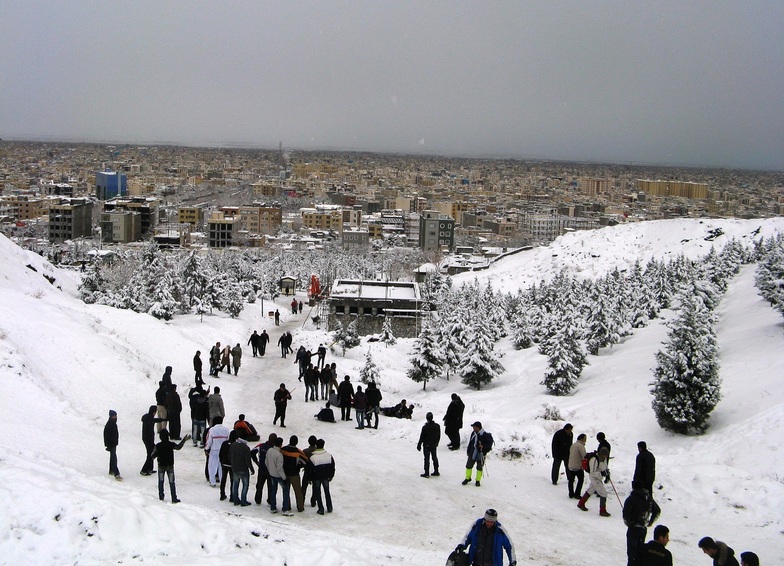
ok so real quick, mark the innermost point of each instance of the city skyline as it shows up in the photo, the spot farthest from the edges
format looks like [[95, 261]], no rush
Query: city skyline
[[668, 83]]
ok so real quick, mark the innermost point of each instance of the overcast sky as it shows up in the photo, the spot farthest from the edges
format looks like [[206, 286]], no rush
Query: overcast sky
[[661, 82]]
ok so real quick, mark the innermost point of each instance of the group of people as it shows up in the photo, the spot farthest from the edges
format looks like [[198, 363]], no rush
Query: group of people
[[640, 510], [221, 359]]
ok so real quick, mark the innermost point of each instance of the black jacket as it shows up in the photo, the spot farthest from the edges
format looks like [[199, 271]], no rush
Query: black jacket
[[645, 468], [430, 435], [562, 442], [111, 436]]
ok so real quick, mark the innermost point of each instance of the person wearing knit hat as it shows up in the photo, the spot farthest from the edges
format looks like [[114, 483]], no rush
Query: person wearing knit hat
[[486, 541], [479, 444], [111, 438]]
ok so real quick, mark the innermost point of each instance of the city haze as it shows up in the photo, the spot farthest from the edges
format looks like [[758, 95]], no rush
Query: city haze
[[665, 83]]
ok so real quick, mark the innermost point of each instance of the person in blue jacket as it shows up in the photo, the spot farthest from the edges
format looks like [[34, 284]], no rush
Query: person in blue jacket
[[488, 540]]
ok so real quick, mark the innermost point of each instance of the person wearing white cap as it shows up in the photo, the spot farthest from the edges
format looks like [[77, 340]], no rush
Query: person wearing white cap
[[488, 540]]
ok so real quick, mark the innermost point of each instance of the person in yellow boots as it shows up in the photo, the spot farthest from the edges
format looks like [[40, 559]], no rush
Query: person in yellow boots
[[479, 444]]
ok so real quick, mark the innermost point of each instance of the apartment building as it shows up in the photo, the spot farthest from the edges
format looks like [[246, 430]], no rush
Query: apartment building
[[222, 231], [192, 215], [436, 231], [147, 207], [121, 226], [323, 217], [356, 240], [673, 188], [70, 219]]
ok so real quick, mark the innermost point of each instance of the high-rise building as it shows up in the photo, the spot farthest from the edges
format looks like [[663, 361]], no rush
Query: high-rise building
[[436, 231], [110, 184], [72, 218]]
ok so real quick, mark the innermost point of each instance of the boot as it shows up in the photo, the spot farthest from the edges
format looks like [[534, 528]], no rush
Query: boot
[[603, 512], [583, 499]]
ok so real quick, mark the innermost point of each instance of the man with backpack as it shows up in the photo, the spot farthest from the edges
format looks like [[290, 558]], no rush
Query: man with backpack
[[487, 540], [639, 513], [596, 464], [479, 444]]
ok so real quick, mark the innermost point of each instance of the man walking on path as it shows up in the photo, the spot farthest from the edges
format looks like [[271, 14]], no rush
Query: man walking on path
[[263, 339], [596, 465], [562, 442], [253, 342], [111, 439], [281, 398], [429, 439]]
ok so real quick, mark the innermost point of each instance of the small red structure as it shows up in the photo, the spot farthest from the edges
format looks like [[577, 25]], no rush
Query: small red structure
[[315, 287]]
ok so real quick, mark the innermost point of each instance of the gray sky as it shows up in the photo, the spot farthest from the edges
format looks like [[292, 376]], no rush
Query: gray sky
[[661, 82]]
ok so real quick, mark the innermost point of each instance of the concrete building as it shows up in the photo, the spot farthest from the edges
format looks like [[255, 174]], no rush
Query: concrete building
[[222, 231], [356, 240], [121, 226], [147, 207], [673, 188], [192, 215], [323, 217], [436, 231], [370, 302], [70, 219]]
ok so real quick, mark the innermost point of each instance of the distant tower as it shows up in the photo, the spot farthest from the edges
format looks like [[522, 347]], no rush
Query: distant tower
[[280, 153]]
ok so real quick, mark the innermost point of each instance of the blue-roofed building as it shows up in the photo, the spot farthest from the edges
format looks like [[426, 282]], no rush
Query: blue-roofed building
[[110, 184]]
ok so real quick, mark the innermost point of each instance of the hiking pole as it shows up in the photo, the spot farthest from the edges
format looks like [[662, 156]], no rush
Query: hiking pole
[[616, 493]]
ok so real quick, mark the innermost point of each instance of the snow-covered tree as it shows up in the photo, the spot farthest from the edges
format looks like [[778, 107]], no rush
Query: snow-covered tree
[[92, 284], [769, 277], [686, 387], [369, 371], [480, 363], [387, 337], [565, 357], [427, 358]]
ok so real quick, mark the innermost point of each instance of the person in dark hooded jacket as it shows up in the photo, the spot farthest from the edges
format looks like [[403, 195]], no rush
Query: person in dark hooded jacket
[[111, 439], [429, 438], [148, 437], [164, 452]]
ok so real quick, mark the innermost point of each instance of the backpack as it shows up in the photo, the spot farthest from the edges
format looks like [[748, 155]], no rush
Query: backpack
[[587, 461], [487, 442]]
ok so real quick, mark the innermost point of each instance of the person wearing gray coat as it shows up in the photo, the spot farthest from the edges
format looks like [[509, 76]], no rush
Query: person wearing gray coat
[[274, 463]]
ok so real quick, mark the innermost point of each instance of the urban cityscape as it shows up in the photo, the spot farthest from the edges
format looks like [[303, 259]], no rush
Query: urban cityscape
[[105, 196]]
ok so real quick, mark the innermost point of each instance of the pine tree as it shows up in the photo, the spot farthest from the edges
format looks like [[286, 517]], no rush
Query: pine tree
[[769, 277], [369, 371], [427, 358], [386, 333], [565, 357], [92, 284], [686, 387], [479, 364]]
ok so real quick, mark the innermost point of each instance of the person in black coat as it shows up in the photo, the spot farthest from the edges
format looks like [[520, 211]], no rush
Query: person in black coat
[[197, 365], [263, 339], [173, 412], [639, 512], [148, 437], [111, 438], [164, 452], [429, 438], [346, 396], [453, 421], [645, 467], [562, 442], [653, 553]]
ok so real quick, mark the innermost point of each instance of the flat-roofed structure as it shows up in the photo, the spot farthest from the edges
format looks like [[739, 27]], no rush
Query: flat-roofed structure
[[370, 302]]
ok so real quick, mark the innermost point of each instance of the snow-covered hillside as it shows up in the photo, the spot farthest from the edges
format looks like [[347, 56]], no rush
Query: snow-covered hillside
[[64, 364]]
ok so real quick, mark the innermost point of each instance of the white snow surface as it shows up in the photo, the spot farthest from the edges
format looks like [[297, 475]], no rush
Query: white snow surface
[[64, 364]]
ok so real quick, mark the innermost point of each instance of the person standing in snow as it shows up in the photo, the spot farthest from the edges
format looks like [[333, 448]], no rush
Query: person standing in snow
[[284, 349], [300, 307], [224, 457], [215, 353], [322, 356], [479, 444], [653, 553], [253, 342], [263, 339], [274, 463], [645, 467], [722, 554], [453, 421], [242, 469], [294, 460], [281, 398], [225, 362], [322, 472], [200, 413], [160, 400], [429, 439], [639, 513], [236, 358], [173, 412], [488, 540], [259, 455], [575, 468], [164, 453], [360, 406], [374, 397], [216, 436], [215, 403], [148, 438], [346, 396], [111, 439], [562, 443], [749, 559], [277, 318], [197, 368], [596, 465]]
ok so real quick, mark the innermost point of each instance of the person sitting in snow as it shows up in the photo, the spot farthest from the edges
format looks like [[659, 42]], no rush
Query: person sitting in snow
[[401, 411], [244, 427], [326, 414]]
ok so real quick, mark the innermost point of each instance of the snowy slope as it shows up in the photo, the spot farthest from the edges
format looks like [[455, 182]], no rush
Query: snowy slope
[[64, 364]]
